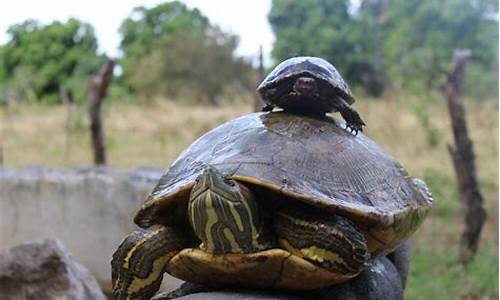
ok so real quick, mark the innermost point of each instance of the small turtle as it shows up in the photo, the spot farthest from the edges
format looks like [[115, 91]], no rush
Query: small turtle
[[309, 85], [271, 200]]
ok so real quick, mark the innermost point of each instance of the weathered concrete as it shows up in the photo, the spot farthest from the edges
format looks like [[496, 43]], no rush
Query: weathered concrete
[[44, 270], [89, 209]]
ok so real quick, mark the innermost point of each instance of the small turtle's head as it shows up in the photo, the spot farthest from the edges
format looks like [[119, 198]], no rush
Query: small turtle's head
[[224, 214], [305, 86]]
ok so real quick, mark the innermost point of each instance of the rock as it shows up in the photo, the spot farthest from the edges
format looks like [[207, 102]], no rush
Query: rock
[[89, 209], [400, 258], [242, 294], [380, 282], [193, 291], [43, 270]]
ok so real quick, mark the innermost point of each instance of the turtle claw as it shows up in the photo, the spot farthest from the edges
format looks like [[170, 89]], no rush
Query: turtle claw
[[354, 122], [354, 128], [352, 118]]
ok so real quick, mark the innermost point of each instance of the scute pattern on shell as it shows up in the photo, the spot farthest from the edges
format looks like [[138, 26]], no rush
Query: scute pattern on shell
[[313, 160]]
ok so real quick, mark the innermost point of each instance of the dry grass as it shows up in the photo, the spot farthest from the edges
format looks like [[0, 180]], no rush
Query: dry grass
[[154, 134], [151, 134]]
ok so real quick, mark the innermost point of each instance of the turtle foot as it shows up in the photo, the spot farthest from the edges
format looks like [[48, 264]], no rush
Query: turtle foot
[[268, 107], [354, 128], [354, 123]]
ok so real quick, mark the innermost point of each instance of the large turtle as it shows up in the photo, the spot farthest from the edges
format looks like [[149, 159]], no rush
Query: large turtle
[[310, 85], [271, 200]]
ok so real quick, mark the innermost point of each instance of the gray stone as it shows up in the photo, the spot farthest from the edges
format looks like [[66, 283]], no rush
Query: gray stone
[[89, 209], [195, 291], [380, 282], [400, 258], [241, 295], [44, 270]]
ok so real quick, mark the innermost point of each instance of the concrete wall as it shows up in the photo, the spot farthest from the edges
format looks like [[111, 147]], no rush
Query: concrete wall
[[89, 209]]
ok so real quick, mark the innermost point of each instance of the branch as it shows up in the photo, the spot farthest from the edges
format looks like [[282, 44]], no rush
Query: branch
[[97, 91], [462, 154]]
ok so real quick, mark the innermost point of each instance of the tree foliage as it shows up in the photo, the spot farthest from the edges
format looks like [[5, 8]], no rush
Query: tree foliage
[[145, 26], [406, 42], [324, 28], [173, 51], [420, 36], [38, 58]]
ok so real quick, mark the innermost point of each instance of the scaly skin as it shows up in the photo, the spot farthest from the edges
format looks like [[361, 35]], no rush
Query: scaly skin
[[350, 115], [303, 97], [226, 218], [139, 262]]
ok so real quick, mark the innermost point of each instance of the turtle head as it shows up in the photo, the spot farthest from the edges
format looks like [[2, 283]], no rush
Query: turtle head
[[305, 86], [224, 214], [213, 180]]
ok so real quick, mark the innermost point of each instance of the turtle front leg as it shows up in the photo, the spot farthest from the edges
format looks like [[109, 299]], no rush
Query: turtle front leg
[[350, 115], [139, 262], [331, 242]]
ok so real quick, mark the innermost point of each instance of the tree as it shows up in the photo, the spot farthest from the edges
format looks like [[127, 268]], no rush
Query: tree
[[326, 29], [174, 51], [420, 36], [50, 56], [373, 12], [142, 29], [409, 41], [145, 25]]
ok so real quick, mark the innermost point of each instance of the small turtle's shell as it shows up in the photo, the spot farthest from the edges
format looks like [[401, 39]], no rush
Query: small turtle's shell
[[314, 67], [300, 158]]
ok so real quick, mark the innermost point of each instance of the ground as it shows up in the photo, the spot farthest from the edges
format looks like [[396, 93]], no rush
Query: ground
[[415, 131]]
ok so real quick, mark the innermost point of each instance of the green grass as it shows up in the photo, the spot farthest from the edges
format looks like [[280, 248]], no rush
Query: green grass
[[155, 133], [435, 274]]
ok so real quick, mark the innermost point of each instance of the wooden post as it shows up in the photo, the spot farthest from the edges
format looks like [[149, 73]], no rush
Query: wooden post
[[462, 154], [257, 104], [97, 91]]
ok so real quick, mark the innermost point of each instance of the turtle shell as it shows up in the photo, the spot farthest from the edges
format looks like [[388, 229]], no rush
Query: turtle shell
[[314, 67], [299, 158]]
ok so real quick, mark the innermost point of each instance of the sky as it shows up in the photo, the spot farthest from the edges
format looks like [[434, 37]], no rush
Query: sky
[[247, 19]]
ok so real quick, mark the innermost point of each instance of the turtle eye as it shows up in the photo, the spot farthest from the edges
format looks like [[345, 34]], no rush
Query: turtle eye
[[229, 181]]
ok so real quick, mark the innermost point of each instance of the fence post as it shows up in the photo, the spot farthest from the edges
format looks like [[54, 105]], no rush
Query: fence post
[[462, 154], [97, 91]]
